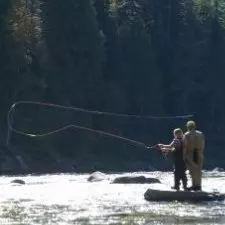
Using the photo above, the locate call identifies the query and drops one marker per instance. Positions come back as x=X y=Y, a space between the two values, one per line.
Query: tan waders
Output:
x=194 y=144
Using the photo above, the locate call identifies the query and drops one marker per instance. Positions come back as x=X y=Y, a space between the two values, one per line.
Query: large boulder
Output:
x=199 y=196
x=96 y=176
x=135 y=180
x=17 y=181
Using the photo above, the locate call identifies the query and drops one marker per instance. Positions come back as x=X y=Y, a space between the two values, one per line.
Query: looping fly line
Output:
x=11 y=128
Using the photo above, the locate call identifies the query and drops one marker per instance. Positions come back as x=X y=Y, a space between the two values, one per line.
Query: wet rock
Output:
x=135 y=180
x=97 y=176
x=18 y=181
x=199 y=196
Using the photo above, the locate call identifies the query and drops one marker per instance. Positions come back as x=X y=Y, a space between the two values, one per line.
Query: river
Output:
x=68 y=199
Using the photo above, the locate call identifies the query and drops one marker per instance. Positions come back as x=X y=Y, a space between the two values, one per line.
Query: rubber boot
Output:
x=176 y=183
x=185 y=185
x=175 y=188
x=184 y=182
x=197 y=188
x=192 y=188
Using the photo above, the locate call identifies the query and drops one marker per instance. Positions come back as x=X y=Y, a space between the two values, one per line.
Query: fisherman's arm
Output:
x=167 y=148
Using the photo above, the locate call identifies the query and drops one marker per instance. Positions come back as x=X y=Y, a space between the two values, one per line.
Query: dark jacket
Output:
x=178 y=152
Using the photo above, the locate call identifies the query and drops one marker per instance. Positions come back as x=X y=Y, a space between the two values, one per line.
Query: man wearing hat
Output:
x=194 y=144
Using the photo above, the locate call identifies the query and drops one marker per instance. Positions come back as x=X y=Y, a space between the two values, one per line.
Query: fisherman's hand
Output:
x=159 y=146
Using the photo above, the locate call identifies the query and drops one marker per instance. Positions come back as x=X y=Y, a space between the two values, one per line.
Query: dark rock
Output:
x=18 y=181
x=199 y=196
x=135 y=180
x=96 y=176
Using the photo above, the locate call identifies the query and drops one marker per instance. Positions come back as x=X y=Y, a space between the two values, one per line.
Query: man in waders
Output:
x=194 y=144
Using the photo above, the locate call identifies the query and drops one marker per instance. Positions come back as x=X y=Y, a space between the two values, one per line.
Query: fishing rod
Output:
x=44 y=134
x=153 y=147
x=156 y=147
x=134 y=142
x=36 y=135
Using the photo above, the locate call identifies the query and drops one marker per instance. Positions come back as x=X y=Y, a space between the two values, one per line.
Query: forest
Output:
x=135 y=57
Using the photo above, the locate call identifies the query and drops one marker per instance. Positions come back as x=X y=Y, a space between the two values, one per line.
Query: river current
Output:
x=66 y=199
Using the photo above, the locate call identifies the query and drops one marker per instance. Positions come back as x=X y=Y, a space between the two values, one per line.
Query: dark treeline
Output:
x=141 y=57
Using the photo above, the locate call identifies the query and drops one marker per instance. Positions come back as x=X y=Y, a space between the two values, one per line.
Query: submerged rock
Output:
x=199 y=196
x=18 y=181
x=97 y=176
x=135 y=180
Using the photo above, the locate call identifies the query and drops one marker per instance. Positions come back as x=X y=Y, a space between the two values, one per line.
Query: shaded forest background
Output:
x=141 y=57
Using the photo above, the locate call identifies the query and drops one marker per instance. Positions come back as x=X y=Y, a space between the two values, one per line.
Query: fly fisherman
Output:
x=176 y=147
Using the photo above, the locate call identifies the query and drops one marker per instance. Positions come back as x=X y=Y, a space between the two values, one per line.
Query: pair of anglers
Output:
x=188 y=153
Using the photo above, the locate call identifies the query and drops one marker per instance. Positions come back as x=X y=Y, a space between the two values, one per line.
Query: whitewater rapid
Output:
x=68 y=199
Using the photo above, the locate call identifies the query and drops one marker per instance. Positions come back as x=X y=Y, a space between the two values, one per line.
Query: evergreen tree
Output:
x=76 y=49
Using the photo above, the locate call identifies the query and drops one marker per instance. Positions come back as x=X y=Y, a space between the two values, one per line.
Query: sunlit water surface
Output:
x=70 y=199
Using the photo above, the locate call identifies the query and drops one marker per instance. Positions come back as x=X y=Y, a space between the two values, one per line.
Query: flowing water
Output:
x=69 y=199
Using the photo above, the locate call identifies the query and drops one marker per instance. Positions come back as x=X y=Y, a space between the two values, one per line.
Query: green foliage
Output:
x=210 y=9
x=154 y=57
